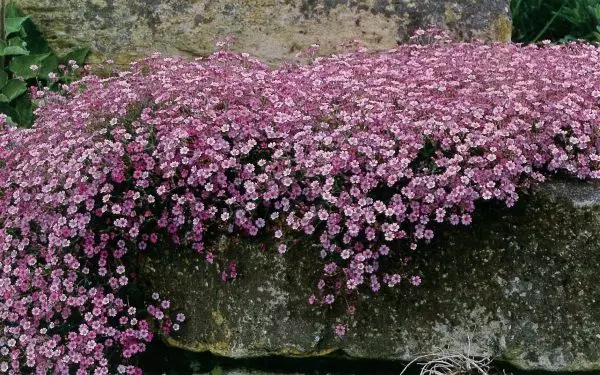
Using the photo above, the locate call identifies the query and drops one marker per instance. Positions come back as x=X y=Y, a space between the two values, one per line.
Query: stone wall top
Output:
x=269 y=29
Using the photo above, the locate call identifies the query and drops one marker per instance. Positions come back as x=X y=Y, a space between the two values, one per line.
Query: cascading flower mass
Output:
x=365 y=152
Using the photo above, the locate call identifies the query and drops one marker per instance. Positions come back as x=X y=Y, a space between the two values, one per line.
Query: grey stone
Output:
x=272 y=30
x=520 y=284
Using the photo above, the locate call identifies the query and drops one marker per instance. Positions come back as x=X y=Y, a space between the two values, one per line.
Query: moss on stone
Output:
x=521 y=284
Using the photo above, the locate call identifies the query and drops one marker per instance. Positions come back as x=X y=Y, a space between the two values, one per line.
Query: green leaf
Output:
x=3 y=78
x=4 y=99
x=216 y=371
x=12 y=11
x=17 y=41
x=13 y=24
x=21 y=65
x=14 y=88
x=14 y=51
x=78 y=55
x=14 y=47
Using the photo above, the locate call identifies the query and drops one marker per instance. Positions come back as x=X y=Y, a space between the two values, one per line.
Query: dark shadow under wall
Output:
x=161 y=359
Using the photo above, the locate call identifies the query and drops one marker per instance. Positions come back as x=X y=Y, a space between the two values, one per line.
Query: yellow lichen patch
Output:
x=293 y=352
x=450 y=16
x=222 y=322
x=502 y=29
x=120 y=60
x=224 y=348
x=219 y=347
x=100 y=3
x=218 y=317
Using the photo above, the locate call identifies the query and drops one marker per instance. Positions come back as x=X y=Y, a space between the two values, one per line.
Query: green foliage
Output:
x=584 y=18
x=27 y=61
x=556 y=20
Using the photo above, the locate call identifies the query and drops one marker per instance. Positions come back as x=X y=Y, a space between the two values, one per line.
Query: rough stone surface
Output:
x=521 y=284
x=270 y=29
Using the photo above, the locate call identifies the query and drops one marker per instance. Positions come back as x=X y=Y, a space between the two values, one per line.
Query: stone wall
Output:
x=520 y=285
x=270 y=29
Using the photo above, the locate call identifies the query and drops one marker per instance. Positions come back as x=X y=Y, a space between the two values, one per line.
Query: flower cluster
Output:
x=364 y=152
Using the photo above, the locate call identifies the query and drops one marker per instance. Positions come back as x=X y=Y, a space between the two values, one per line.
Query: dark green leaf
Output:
x=49 y=65
x=21 y=65
x=77 y=55
x=9 y=111
x=14 y=88
x=23 y=110
x=36 y=43
x=4 y=99
x=3 y=78
x=20 y=111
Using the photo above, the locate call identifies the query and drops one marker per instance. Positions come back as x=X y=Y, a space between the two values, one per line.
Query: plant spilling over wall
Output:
x=365 y=152
x=29 y=67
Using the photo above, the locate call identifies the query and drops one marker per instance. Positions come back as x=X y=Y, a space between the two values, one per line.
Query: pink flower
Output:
x=384 y=250
x=415 y=280
x=282 y=248
x=354 y=151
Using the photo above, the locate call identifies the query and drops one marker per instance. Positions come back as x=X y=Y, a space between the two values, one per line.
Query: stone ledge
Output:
x=521 y=284
x=272 y=30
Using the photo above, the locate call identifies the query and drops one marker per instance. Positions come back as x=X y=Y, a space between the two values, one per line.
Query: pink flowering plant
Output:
x=364 y=152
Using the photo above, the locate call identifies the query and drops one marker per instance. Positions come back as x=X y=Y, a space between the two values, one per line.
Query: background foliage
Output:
x=28 y=62
x=556 y=20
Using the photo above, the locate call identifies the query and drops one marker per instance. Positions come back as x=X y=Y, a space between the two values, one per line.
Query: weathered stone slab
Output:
x=270 y=29
x=522 y=284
